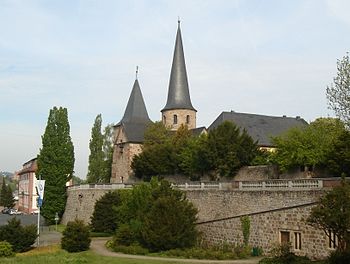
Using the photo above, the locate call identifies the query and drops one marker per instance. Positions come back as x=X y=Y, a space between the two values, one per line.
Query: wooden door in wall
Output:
x=285 y=237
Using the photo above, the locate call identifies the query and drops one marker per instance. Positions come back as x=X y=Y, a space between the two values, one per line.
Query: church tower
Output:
x=129 y=136
x=178 y=109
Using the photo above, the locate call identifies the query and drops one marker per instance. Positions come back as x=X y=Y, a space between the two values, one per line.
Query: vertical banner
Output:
x=40 y=186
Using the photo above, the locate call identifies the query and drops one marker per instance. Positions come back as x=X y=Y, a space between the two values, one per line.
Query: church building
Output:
x=178 y=110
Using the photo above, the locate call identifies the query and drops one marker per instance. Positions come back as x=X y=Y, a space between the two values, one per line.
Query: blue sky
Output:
x=265 y=57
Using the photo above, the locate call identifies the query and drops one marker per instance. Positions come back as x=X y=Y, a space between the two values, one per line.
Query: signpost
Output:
x=40 y=186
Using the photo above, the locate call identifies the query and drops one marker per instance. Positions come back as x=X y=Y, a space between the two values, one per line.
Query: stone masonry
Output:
x=266 y=228
x=271 y=212
x=168 y=118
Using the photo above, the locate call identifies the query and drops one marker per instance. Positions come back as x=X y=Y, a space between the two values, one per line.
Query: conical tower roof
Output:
x=135 y=111
x=178 y=92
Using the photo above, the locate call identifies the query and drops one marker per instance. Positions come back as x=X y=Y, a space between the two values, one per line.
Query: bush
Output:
x=170 y=222
x=6 y=249
x=104 y=218
x=338 y=257
x=134 y=249
x=76 y=237
x=20 y=237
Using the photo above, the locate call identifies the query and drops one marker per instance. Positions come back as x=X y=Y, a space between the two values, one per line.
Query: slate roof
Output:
x=178 y=92
x=260 y=127
x=135 y=119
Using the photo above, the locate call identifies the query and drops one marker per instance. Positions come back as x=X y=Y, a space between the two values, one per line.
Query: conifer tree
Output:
x=6 y=196
x=56 y=162
x=96 y=161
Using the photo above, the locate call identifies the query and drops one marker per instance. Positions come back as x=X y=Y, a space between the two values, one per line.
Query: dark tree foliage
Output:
x=194 y=157
x=170 y=222
x=230 y=148
x=6 y=196
x=338 y=93
x=56 y=162
x=76 y=237
x=96 y=159
x=104 y=218
x=338 y=161
x=332 y=214
x=20 y=237
x=157 y=217
x=158 y=153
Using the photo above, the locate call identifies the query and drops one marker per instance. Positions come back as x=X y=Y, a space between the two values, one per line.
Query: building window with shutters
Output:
x=332 y=240
x=297 y=240
x=175 y=119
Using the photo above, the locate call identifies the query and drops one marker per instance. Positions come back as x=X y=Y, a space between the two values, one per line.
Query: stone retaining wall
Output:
x=266 y=228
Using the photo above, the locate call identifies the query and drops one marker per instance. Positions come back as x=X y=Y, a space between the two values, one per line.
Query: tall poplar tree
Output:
x=107 y=152
x=96 y=166
x=56 y=162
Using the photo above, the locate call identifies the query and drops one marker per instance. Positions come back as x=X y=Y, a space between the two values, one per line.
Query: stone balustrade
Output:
x=281 y=184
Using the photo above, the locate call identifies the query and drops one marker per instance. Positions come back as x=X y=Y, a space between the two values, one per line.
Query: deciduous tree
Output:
x=96 y=161
x=56 y=162
x=338 y=93
x=332 y=215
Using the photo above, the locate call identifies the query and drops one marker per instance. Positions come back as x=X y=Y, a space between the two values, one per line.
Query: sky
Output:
x=273 y=57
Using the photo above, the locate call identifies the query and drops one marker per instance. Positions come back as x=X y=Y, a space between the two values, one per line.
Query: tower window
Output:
x=175 y=119
x=164 y=119
x=187 y=119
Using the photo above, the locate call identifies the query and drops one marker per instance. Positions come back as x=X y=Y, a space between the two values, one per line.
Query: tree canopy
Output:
x=338 y=93
x=157 y=217
x=101 y=152
x=56 y=162
x=308 y=146
x=225 y=149
x=96 y=166
x=332 y=215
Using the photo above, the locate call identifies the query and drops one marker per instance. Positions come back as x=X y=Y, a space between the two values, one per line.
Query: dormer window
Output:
x=175 y=119
x=187 y=119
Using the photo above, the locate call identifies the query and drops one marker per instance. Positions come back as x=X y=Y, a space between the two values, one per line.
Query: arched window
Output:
x=164 y=119
x=187 y=119
x=175 y=119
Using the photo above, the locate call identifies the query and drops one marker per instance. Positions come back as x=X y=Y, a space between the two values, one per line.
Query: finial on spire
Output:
x=137 y=71
x=178 y=20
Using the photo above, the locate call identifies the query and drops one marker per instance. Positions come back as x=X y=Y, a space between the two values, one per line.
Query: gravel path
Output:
x=98 y=246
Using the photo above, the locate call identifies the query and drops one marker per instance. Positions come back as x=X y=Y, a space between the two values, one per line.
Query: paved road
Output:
x=98 y=246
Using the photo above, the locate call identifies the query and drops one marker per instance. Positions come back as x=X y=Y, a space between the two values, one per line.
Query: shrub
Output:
x=134 y=249
x=76 y=237
x=6 y=249
x=170 y=222
x=104 y=218
x=338 y=257
x=20 y=237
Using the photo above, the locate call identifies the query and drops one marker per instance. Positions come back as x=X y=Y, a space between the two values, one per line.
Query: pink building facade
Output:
x=27 y=196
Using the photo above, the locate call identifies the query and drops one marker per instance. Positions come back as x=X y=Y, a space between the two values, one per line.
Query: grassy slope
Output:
x=54 y=255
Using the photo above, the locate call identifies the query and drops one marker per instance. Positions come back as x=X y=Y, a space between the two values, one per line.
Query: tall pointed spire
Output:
x=136 y=111
x=178 y=92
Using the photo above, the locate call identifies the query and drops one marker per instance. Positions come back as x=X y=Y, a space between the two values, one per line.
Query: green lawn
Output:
x=62 y=257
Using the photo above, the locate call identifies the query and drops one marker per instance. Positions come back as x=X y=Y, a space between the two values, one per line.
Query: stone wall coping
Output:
x=259 y=185
x=257 y=213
